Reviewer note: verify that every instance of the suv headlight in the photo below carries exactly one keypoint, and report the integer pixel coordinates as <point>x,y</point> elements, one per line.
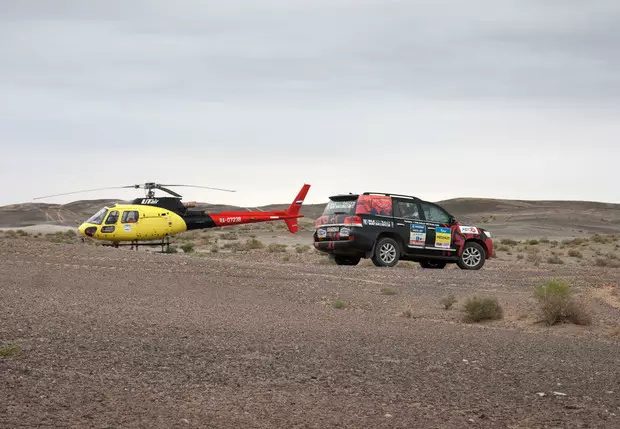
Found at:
<point>487,233</point>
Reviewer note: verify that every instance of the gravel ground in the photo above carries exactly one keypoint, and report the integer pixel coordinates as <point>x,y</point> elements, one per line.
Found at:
<point>113,338</point>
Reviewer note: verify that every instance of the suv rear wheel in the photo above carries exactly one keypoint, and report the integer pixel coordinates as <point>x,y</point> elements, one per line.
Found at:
<point>473,256</point>
<point>386,252</point>
<point>347,260</point>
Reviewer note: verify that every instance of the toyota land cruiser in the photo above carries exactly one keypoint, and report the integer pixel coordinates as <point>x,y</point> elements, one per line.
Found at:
<point>388,227</point>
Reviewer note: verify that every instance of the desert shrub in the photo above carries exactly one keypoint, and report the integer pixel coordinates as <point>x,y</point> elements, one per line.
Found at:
<point>555,259</point>
<point>478,309</point>
<point>302,248</point>
<point>230,235</point>
<point>602,262</point>
<point>235,246</point>
<point>520,256</point>
<point>532,242</point>
<point>575,253</point>
<point>503,248</point>
<point>509,242</point>
<point>187,247</point>
<point>9,350</point>
<point>407,312</point>
<point>277,248</point>
<point>253,243</point>
<point>447,301</point>
<point>388,291</point>
<point>557,304</point>
<point>215,249</point>
<point>545,240</point>
<point>575,242</point>
<point>171,249</point>
<point>596,238</point>
<point>339,304</point>
<point>534,257</point>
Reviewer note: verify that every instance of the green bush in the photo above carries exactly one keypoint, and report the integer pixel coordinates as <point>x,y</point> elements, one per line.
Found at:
<point>478,309</point>
<point>187,247</point>
<point>339,304</point>
<point>557,304</point>
<point>9,350</point>
<point>575,253</point>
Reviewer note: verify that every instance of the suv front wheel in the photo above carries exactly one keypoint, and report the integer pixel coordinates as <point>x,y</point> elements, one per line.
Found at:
<point>386,252</point>
<point>473,256</point>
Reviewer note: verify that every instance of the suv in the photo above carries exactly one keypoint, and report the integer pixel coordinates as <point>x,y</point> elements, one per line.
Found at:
<point>388,227</point>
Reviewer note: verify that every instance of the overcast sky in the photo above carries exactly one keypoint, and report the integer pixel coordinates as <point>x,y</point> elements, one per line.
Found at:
<point>507,99</point>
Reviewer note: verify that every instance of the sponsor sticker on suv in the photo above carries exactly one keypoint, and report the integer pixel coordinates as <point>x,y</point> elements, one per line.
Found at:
<point>378,222</point>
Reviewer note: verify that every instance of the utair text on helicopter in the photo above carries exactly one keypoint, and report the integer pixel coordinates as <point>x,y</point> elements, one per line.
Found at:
<point>158,218</point>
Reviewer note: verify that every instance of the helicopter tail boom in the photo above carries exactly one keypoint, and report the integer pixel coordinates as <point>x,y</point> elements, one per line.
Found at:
<point>289,216</point>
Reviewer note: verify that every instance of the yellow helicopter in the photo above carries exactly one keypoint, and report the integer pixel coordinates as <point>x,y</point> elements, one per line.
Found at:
<point>158,218</point>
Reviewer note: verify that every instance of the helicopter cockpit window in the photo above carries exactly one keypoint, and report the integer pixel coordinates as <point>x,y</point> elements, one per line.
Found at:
<point>130,216</point>
<point>97,218</point>
<point>112,217</point>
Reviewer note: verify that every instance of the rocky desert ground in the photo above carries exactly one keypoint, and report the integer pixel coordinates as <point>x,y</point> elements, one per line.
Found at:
<point>253,328</point>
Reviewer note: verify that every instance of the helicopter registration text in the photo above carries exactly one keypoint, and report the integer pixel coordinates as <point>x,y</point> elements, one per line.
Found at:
<point>230,219</point>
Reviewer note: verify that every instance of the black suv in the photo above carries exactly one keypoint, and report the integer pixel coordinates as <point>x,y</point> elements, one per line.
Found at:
<point>387,228</point>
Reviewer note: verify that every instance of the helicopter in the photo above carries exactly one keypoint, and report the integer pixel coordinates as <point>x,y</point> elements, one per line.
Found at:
<point>158,218</point>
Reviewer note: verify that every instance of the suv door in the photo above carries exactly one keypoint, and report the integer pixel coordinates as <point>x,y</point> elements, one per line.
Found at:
<point>409,225</point>
<point>439,236</point>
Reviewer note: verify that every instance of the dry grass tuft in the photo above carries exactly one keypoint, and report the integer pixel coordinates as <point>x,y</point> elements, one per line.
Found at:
<point>448,301</point>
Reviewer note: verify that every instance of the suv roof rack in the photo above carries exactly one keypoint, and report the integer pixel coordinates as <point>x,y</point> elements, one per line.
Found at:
<point>391,195</point>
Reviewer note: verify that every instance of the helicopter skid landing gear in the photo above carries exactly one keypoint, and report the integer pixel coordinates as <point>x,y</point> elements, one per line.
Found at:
<point>165,242</point>
<point>134,244</point>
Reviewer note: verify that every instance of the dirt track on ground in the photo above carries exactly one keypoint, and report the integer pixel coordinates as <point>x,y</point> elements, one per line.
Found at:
<point>111,338</point>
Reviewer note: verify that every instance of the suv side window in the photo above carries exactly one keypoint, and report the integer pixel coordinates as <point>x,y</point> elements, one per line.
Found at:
<point>407,209</point>
<point>435,214</point>
<point>112,217</point>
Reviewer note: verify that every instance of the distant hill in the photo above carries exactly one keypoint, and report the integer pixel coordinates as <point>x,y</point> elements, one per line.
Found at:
<point>508,218</point>
<point>521,218</point>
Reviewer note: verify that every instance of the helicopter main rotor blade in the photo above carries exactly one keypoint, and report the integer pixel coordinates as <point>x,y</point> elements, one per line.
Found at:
<point>85,190</point>
<point>169,191</point>
<point>203,187</point>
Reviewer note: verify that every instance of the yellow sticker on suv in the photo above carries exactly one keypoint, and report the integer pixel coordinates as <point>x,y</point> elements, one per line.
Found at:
<point>443,238</point>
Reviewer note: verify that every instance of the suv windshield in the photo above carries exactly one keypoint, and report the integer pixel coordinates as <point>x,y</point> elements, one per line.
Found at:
<point>346,207</point>
<point>97,218</point>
